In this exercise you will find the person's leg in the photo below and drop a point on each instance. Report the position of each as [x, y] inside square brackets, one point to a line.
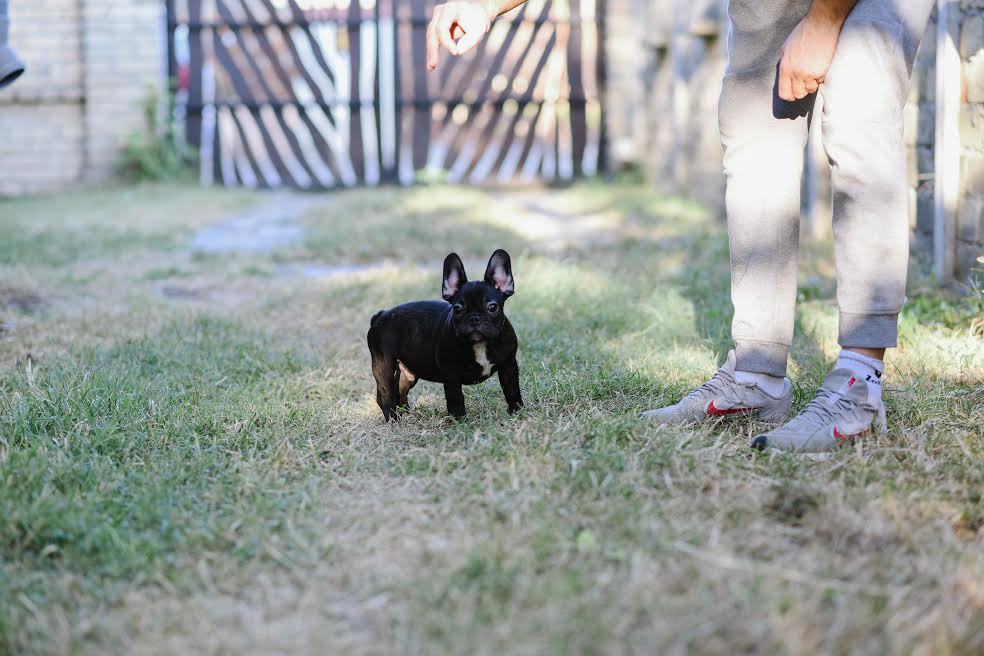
[763, 139]
[864, 94]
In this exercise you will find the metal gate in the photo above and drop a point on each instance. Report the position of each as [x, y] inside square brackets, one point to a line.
[325, 93]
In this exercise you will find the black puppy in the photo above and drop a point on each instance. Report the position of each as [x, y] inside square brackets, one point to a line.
[461, 342]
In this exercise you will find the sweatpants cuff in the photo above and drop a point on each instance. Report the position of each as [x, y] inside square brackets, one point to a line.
[761, 357]
[868, 330]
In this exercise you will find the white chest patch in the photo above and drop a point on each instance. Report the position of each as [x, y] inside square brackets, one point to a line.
[482, 358]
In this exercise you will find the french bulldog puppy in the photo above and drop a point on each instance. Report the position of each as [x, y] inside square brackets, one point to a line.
[462, 340]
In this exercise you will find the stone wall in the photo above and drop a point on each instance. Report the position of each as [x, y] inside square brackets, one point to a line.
[92, 65]
[672, 54]
[920, 135]
[664, 62]
[920, 132]
[625, 100]
[970, 224]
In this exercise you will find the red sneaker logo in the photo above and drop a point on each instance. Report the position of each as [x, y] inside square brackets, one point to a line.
[715, 412]
[841, 436]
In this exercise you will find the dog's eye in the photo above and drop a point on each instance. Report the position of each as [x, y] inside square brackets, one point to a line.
[458, 309]
[493, 307]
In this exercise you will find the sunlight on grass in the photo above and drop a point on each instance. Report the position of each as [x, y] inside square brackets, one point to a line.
[192, 459]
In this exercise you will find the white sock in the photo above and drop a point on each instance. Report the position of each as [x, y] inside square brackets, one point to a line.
[771, 385]
[867, 369]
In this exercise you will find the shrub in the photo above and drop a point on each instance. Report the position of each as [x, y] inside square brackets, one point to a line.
[159, 151]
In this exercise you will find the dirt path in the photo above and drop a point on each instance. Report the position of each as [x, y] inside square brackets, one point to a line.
[274, 224]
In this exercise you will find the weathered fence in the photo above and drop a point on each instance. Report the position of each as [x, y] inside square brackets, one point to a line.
[322, 93]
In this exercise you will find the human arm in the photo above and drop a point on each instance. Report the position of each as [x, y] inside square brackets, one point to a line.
[809, 50]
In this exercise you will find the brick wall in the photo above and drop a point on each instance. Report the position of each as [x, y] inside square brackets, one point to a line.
[91, 66]
[677, 62]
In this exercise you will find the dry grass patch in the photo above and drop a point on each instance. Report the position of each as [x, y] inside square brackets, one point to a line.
[194, 461]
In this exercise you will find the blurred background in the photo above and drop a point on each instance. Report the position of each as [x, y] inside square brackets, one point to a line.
[322, 94]
[202, 202]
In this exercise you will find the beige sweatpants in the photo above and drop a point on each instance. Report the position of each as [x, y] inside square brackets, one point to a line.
[764, 138]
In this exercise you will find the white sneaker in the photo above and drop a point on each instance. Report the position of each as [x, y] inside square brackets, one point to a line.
[723, 396]
[840, 412]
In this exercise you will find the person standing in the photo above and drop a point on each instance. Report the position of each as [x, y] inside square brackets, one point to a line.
[857, 54]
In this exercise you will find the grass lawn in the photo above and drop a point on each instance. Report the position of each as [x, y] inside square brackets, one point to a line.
[192, 460]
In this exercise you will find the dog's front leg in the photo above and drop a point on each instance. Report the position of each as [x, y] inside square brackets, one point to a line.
[455, 397]
[509, 379]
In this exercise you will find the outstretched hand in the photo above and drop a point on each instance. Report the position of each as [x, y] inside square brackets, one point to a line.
[458, 26]
[806, 57]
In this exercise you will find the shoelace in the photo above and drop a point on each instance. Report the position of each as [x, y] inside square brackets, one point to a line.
[821, 409]
[720, 383]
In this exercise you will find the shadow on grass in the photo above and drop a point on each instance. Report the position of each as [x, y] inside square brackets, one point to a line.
[115, 459]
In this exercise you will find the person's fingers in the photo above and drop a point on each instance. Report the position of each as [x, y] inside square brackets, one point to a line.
[812, 86]
[468, 41]
[785, 84]
[444, 23]
[799, 89]
[433, 44]
[457, 32]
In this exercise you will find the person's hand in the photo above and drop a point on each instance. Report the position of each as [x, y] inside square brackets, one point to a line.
[806, 56]
[457, 25]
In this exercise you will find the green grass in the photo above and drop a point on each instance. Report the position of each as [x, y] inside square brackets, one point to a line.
[192, 461]
[105, 223]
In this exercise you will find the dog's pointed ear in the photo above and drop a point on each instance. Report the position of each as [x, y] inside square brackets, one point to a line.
[499, 273]
[454, 276]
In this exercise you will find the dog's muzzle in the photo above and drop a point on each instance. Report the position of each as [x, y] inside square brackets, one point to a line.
[477, 332]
